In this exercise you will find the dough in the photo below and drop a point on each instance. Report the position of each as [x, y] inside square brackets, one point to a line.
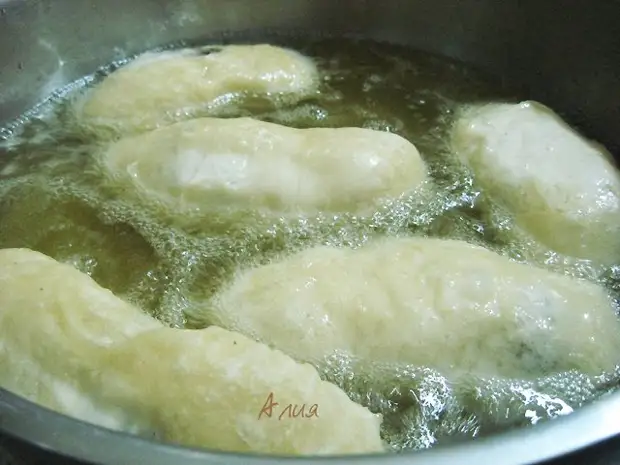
[218, 163]
[561, 188]
[158, 88]
[443, 304]
[74, 347]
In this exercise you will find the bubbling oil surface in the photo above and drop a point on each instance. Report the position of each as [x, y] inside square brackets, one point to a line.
[53, 200]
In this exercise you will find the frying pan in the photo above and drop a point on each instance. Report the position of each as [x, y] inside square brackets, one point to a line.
[567, 54]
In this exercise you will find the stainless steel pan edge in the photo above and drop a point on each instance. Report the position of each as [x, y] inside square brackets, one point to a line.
[567, 52]
[92, 444]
